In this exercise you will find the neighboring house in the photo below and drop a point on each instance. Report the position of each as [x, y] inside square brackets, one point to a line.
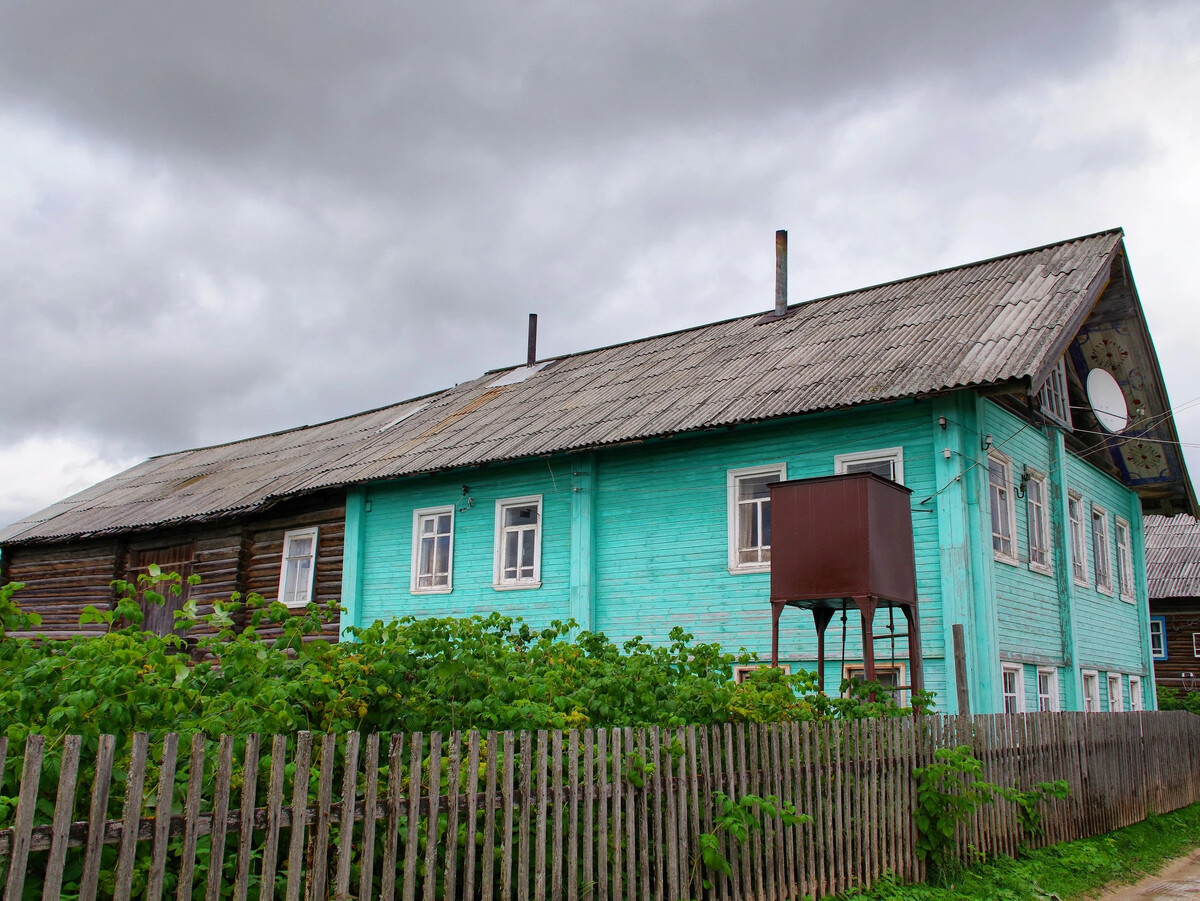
[625, 487]
[1173, 578]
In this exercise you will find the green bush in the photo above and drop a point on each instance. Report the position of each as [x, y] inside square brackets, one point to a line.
[1174, 699]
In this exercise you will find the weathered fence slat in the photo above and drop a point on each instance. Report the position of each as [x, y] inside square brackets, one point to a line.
[241, 883]
[98, 815]
[64, 806]
[219, 819]
[295, 861]
[346, 820]
[31, 774]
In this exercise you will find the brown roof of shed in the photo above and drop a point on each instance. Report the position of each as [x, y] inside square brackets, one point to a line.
[1173, 556]
[999, 320]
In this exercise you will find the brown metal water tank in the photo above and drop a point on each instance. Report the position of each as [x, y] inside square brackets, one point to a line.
[842, 536]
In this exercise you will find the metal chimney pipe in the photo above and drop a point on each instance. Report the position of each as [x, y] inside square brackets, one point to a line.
[532, 356]
[781, 301]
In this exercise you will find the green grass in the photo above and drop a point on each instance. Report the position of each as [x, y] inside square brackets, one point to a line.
[1067, 871]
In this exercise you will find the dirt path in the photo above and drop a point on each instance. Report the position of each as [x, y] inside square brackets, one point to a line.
[1178, 879]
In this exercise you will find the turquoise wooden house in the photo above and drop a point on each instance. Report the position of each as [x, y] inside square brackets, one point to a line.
[626, 487]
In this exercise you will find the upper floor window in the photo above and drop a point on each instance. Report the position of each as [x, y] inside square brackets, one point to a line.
[1053, 396]
[518, 542]
[296, 571]
[750, 515]
[888, 462]
[433, 550]
[1100, 551]
[1124, 559]
[1158, 637]
[1039, 523]
[1002, 508]
[1079, 567]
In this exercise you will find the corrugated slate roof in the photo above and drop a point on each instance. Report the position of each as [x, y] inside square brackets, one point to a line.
[993, 321]
[1173, 556]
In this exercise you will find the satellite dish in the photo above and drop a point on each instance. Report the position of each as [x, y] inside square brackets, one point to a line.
[1107, 400]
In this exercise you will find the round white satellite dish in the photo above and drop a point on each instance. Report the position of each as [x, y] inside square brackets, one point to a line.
[1107, 400]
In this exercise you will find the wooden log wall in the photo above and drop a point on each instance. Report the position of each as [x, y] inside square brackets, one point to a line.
[600, 814]
[240, 555]
[1181, 669]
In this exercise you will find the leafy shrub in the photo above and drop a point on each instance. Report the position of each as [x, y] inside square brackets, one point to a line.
[1174, 699]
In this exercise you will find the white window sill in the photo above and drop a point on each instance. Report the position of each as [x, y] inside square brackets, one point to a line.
[439, 590]
[296, 605]
[743, 570]
[1042, 568]
[515, 586]
[1082, 583]
[1107, 592]
[1005, 559]
[1128, 599]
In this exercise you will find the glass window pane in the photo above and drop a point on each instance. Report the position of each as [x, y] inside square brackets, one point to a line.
[747, 526]
[520, 516]
[885, 468]
[527, 547]
[755, 487]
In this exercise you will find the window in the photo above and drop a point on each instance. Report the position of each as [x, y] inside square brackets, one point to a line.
[1091, 692]
[1116, 702]
[518, 543]
[1196, 644]
[1135, 693]
[1053, 396]
[433, 550]
[1124, 560]
[1100, 552]
[741, 672]
[889, 675]
[1039, 524]
[1158, 637]
[1013, 681]
[1001, 500]
[1047, 688]
[1078, 546]
[888, 463]
[750, 516]
[296, 571]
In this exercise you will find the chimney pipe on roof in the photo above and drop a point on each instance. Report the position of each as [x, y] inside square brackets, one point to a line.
[532, 358]
[781, 302]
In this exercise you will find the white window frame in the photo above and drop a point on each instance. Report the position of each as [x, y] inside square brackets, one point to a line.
[288, 537]
[1075, 526]
[859, 671]
[1114, 679]
[1161, 622]
[1125, 583]
[893, 455]
[742, 670]
[498, 581]
[1010, 509]
[414, 575]
[1017, 671]
[1055, 402]
[1101, 551]
[1135, 694]
[1196, 644]
[1048, 701]
[732, 478]
[1091, 699]
[1039, 512]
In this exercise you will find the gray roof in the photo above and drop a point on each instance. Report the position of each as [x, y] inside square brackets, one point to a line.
[998, 320]
[1173, 556]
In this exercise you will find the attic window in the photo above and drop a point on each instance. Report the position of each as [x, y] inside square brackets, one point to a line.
[1053, 396]
[520, 374]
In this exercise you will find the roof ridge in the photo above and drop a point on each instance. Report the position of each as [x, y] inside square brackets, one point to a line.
[300, 428]
[1119, 231]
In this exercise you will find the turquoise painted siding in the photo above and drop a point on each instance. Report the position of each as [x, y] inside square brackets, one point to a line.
[388, 544]
[635, 541]
[1027, 614]
[662, 533]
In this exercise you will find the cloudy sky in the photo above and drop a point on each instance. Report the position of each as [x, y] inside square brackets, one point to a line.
[225, 218]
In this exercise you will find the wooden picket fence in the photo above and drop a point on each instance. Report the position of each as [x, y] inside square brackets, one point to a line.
[600, 815]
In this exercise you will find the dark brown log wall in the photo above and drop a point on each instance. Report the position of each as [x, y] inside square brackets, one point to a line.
[242, 555]
[1183, 621]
